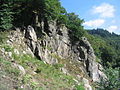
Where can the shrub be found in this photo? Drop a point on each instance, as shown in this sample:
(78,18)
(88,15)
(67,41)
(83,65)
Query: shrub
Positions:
(3,36)
(79,87)
(112,82)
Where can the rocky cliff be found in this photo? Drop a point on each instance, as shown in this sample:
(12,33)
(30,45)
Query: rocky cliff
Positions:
(53,45)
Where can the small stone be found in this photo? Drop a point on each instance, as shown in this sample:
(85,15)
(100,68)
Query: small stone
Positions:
(24,52)
(22,86)
(86,84)
(16,51)
(10,54)
(64,70)
(22,69)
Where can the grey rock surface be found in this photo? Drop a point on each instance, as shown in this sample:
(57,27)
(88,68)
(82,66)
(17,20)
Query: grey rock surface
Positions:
(57,45)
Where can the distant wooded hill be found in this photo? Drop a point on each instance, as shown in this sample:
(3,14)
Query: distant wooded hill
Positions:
(112,50)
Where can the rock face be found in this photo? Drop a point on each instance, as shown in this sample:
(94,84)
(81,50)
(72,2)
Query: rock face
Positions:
(56,44)
(90,60)
(53,46)
(17,40)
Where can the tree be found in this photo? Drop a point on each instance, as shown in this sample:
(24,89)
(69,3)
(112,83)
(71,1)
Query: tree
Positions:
(39,11)
(106,46)
(6,15)
(74,23)
(62,17)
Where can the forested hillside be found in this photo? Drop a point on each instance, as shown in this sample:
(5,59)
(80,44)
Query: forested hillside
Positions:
(43,47)
(111,51)
(107,49)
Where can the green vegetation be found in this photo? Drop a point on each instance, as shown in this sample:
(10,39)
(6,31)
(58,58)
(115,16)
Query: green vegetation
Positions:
(106,46)
(74,23)
(15,13)
(46,75)
(48,70)
(6,15)
(9,75)
(112,82)
(7,48)
(7,65)
(3,36)
(80,87)
(71,65)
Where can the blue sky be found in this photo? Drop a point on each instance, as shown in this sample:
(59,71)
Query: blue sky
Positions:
(96,13)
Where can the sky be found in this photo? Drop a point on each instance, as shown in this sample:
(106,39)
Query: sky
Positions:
(96,13)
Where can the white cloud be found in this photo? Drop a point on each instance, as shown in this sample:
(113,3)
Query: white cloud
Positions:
(112,28)
(94,23)
(105,10)
(113,21)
